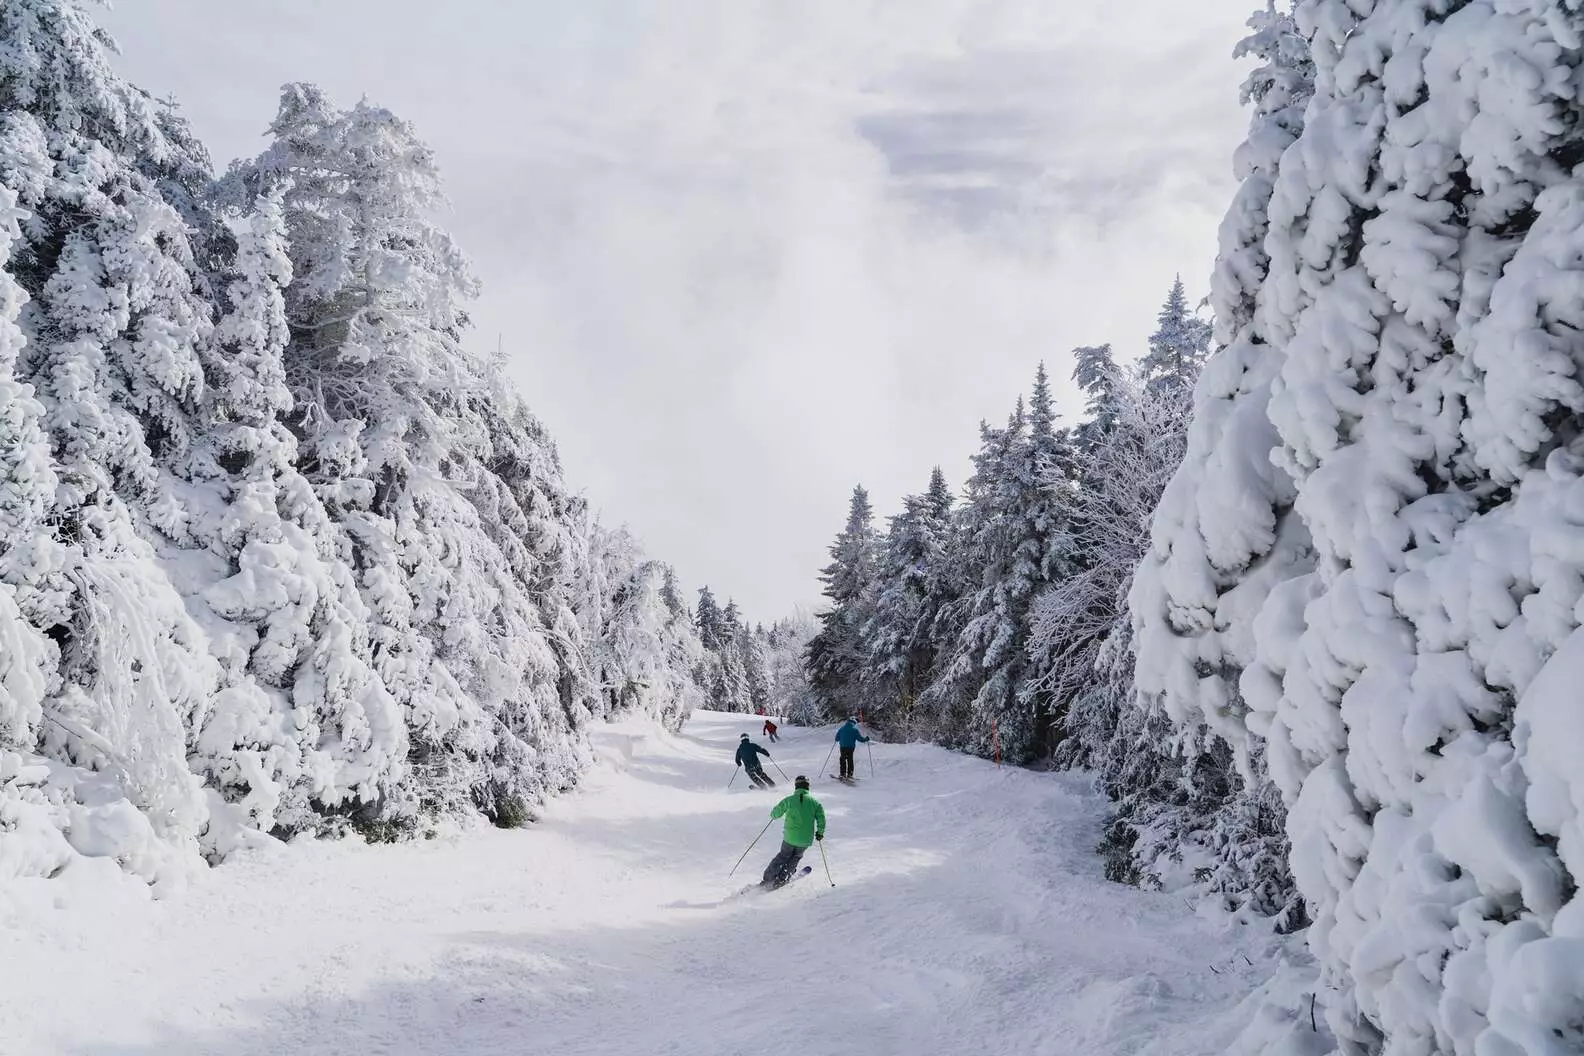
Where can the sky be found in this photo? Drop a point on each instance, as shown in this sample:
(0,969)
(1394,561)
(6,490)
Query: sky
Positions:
(744,254)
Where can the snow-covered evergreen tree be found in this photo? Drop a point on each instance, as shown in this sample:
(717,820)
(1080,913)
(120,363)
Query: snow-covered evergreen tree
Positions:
(1096,373)
(28,660)
(1217,548)
(836,654)
(533,665)
(734,689)
(644,652)
(785,647)
(298,720)
(711,622)
(1177,810)
(1178,347)
(115,328)
(1397,398)
(1015,544)
(910,592)
(467,551)
(27,482)
(750,645)
(1135,446)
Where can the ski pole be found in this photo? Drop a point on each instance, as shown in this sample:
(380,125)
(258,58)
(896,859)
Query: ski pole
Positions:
(826,861)
(751,845)
(871,759)
(778,767)
(734,776)
(827,759)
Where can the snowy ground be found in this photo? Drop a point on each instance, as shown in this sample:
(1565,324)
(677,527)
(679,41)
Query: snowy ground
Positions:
(969,916)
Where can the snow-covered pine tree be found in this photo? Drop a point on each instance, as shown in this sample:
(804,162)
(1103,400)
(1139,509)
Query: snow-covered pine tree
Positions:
(1096,373)
(115,328)
(642,655)
(1178,346)
(429,464)
(1224,533)
(1416,685)
(733,690)
(899,649)
(711,633)
(785,646)
(1015,545)
(1128,455)
(27,483)
(683,649)
(28,660)
(750,646)
(711,623)
(198,515)
(1169,806)
(539,683)
(835,654)
(299,718)
(1125,452)
(945,704)
(671,594)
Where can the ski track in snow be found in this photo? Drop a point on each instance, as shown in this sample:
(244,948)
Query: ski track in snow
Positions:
(970,915)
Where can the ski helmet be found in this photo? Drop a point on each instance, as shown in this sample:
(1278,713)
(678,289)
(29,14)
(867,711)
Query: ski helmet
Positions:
(800,782)
(745,736)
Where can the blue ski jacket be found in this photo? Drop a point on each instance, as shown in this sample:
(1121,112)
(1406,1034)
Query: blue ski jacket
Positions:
(848,735)
(748,754)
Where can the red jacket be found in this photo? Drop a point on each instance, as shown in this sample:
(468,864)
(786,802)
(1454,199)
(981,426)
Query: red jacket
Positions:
(770,727)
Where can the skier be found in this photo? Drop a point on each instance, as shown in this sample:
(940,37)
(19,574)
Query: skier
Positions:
(848,737)
(770,731)
(805,823)
(748,754)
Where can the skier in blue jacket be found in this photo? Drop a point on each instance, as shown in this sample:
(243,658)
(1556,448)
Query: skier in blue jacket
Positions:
(848,737)
(748,754)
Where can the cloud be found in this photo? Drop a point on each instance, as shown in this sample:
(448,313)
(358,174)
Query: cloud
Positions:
(744,254)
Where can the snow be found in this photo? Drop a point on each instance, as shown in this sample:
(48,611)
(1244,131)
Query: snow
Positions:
(969,915)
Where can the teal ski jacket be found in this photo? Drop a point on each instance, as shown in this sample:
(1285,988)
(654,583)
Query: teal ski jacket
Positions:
(848,735)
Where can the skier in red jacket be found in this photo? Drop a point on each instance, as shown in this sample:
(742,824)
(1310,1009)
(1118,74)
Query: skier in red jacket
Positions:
(770,731)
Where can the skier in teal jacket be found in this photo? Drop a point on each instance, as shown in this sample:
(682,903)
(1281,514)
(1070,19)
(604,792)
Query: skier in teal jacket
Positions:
(805,823)
(848,737)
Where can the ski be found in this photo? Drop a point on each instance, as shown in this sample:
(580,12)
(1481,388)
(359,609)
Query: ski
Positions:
(804,871)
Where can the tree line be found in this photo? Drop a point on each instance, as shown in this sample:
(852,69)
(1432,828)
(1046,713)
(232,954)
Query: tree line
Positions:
(278,554)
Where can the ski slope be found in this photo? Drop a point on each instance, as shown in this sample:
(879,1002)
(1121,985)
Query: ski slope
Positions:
(969,915)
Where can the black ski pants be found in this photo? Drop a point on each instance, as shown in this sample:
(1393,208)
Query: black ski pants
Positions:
(757,775)
(847,761)
(783,865)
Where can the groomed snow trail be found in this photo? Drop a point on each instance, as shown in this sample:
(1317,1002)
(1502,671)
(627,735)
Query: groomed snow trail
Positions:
(970,916)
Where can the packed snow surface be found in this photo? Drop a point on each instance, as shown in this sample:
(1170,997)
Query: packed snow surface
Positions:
(969,914)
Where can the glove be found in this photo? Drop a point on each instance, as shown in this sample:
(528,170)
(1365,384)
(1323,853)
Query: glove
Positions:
(819,835)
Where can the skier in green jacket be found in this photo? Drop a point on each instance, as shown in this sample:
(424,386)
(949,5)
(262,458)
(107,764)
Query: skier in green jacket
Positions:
(805,823)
